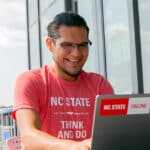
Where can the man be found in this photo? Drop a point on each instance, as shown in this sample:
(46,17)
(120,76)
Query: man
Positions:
(54,104)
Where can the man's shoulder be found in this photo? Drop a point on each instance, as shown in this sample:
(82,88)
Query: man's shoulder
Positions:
(98,81)
(94,77)
(34,73)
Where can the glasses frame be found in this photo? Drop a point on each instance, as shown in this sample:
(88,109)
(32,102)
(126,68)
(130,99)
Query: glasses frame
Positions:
(69,46)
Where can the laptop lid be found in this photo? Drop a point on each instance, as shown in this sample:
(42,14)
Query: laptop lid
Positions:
(121,122)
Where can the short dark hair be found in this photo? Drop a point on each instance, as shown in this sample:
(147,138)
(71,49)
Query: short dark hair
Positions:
(68,19)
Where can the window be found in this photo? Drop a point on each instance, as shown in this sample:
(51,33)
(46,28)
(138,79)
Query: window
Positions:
(144,14)
(47,11)
(118,60)
(33,34)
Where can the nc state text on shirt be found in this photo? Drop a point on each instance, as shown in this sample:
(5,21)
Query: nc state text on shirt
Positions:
(70,101)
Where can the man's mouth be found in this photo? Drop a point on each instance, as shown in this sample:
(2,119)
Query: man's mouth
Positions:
(73,61)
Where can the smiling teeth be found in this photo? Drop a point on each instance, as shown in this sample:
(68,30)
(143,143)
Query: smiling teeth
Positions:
(74,60)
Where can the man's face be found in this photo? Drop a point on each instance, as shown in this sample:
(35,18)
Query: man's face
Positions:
(70,51)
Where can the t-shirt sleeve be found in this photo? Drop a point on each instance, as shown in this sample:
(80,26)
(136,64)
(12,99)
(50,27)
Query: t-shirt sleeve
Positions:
(26,92)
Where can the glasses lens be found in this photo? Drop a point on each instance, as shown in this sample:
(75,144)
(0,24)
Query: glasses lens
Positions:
(66,45)
(69,46)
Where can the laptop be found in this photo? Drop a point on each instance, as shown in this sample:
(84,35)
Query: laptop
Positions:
(121,122)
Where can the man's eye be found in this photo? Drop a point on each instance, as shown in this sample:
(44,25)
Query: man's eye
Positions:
(66,44)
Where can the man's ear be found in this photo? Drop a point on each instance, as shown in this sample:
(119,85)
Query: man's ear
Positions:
(49,43)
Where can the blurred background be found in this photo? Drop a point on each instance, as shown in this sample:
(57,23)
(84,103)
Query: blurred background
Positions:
(119,31)
(13,46)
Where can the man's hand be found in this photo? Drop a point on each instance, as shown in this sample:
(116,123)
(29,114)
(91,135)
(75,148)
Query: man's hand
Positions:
(83,145)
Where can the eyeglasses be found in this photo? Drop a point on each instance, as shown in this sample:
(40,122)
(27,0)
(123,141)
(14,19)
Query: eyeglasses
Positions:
(70,46)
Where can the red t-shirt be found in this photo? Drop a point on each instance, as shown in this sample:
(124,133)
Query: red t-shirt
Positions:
(65,108)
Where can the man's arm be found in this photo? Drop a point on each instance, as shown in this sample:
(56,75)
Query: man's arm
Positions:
(33,138)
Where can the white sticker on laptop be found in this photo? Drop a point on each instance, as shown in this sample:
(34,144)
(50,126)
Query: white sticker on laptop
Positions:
(124,106)
(139,105)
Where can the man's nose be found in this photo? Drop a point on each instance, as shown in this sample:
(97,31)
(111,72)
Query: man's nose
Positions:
(76,49)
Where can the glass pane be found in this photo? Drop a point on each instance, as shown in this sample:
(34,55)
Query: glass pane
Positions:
(118,60)
(91,62)
(13,47)
(34,46)
(144,13)
(32,7)
(48,11)
(34,34)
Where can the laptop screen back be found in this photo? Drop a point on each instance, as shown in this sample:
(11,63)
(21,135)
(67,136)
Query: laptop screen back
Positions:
(121,122)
